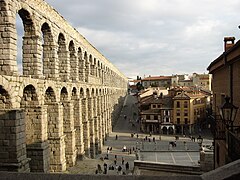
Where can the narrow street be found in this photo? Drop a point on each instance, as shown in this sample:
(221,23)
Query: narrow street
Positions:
(130,111)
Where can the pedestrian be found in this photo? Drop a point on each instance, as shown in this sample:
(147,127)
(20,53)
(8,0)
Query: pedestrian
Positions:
(137,135)
(127,166)
(119,170)
(153,139)
(105,165)
(105,168)
(115,156)
(130,151)
(122,161)
(99,168)
(116,136)
(110,148)
(115,161)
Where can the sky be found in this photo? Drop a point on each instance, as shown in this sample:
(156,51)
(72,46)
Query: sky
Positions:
(154,37)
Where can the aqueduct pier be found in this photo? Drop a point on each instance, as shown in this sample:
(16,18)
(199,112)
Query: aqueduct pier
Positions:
(62,104)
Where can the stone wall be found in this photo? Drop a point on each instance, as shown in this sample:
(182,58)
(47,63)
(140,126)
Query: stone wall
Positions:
(13,155)
(206,161)
(70,94)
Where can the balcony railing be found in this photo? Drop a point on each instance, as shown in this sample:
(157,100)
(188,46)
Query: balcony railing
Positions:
(219,129)
(233,142)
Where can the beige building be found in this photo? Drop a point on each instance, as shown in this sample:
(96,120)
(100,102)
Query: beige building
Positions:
(157,81)
(200,81)
(189,110)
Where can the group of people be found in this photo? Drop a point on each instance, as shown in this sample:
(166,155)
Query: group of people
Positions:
(128,150)
(115,166)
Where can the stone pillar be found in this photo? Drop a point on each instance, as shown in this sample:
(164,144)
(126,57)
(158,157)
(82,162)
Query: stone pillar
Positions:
(91,128)
(8,43)
(103,127)
(87,71)
(32,58)
(79,128)
(74,67)
(69,131)
(99,121)
(13,155)
(56,137)
(36,138)
(64,65)
(81,70)
(50,61)
(96,127)
(86,138)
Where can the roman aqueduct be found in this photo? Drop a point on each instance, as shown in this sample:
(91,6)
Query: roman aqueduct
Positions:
(62,105)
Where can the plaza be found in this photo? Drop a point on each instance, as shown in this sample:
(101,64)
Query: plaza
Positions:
(186,152)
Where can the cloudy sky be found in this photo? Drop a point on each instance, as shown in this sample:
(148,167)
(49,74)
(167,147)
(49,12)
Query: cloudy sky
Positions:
(154,37)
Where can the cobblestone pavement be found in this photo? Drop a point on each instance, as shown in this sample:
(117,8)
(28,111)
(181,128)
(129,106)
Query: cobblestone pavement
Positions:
(124,129)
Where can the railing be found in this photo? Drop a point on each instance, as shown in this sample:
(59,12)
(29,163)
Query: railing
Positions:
(219,129)
(231,134)
(233,142)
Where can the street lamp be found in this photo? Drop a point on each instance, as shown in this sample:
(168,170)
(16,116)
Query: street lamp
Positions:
(228,112)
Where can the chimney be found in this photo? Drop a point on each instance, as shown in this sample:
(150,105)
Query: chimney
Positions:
(228,42)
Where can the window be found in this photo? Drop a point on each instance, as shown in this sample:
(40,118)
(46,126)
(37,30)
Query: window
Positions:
(178,113)
(154,106)
(148,117)
(159,106)
(185,113)
(186,120)
(167,119)
(166,113)
(155,117)
(178,120)
(178,104)
(185,104)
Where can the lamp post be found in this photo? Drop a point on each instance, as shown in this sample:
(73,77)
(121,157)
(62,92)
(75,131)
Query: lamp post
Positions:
(228,112)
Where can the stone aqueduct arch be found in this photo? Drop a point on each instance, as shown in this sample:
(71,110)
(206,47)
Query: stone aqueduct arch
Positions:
(63,105)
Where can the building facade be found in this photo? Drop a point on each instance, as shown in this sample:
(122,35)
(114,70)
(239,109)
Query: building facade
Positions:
(181,111)
(157,81)
(189,112)
(156,115)
(226,82)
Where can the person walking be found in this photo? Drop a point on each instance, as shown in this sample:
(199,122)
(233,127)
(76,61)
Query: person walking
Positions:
(127,166)
(119,170)
(122,161)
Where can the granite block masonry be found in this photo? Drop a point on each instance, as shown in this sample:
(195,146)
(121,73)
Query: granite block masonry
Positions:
(58,103)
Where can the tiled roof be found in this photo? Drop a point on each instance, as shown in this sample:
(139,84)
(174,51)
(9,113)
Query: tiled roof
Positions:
(157,78)
(182,96)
